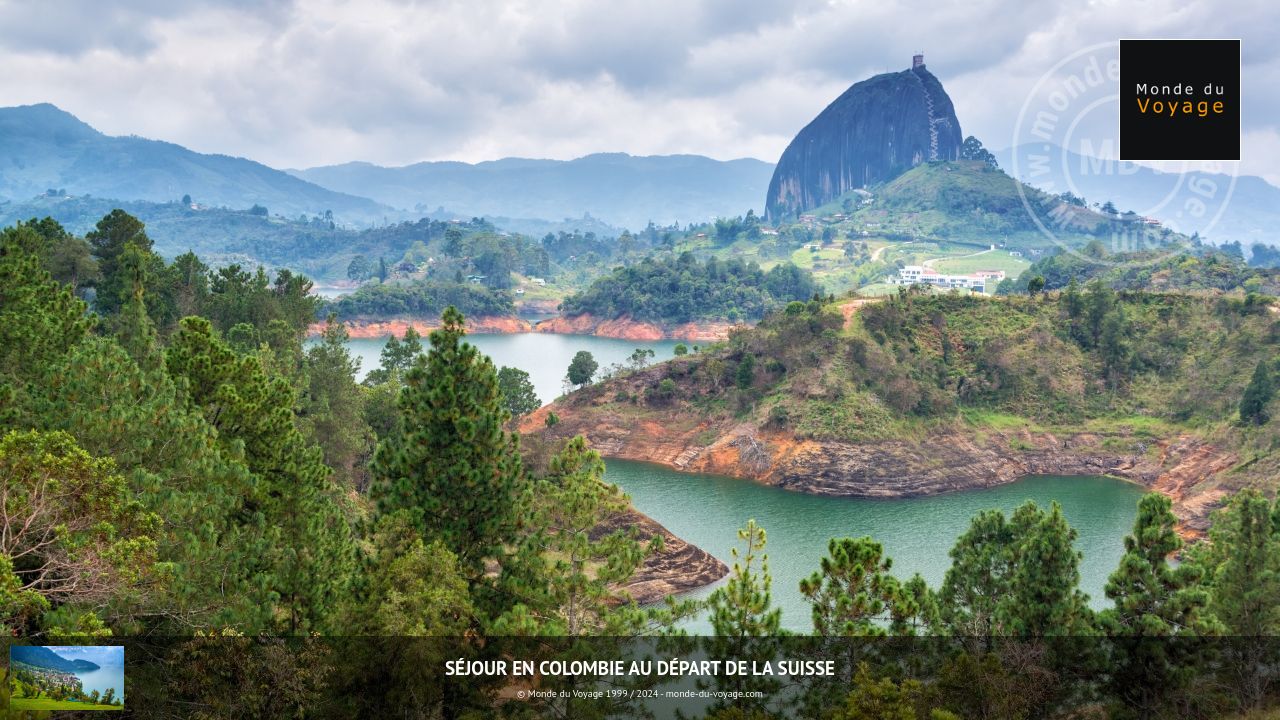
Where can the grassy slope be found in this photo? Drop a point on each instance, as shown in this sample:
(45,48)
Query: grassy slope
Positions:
(26,703)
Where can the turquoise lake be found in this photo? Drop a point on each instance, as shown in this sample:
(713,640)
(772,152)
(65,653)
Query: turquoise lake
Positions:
(708,510)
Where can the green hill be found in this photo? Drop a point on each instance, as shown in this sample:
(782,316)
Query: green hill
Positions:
(974,203)
(921,393)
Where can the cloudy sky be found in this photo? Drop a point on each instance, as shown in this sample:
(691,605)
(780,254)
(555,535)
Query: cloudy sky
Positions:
(298,83)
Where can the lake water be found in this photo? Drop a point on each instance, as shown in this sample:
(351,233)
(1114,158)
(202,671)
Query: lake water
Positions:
(916,532)
(544,356)
(103,678)
(708,510)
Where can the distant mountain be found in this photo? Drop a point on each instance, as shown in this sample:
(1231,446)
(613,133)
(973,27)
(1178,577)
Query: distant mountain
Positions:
(43,147)
(619,189)
(1252,214)
(43,657)
(876,130)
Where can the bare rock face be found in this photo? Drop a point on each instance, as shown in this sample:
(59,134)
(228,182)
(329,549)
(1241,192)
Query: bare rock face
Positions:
(878,129)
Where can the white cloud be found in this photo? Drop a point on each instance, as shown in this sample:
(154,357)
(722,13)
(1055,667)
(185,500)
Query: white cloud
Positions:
(312,82)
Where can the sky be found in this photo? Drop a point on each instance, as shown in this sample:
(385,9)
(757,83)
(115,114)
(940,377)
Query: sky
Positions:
(301,83)
(104,655)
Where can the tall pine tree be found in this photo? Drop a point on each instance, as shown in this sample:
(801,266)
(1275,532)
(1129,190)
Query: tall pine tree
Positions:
(453,469)
(311,566)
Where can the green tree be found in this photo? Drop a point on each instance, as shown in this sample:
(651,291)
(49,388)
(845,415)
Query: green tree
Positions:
(972,149)
(1043,599)
(74,535)
(360,269)
(1241,562)
(452,468)
(582,368)
(409,588)
(174,465)
(1035,285)
(681,350)
(1152,598)
(745,375)
(1014,576)
(133,325)
(66,257)
(1257,395)
(40,320)
(253,413)
(398,355)
(1153,602)
(854,594)
(743,606)
(331,406)
(109,239)
(744,620)
(1098,303)
(518,395)
(640,357)
(583,566)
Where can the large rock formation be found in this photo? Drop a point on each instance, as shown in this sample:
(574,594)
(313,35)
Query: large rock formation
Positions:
(878,129)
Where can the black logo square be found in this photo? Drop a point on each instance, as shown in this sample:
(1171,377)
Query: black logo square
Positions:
(1180,99)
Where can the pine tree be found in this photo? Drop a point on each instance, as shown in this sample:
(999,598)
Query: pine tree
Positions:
(40,321)
(1151,598)
(174,465)
(1043,598)
(133,326)
(1242,566)
(332,409)
(982,564)
(581,567)
(452,468)
(745,623)
(1257,395)
(312,564)
(854,594)
(1153,602)
(743,606)
(109,240)
(1246,575)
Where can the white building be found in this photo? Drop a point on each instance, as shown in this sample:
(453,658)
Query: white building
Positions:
(980,281)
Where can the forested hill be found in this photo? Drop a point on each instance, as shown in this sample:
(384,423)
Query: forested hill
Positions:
(683,289)
(43,657)
(422,299)
(323,249)
(923,393)
(1198,267)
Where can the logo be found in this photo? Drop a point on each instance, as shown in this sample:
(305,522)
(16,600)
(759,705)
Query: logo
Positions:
(1066,144)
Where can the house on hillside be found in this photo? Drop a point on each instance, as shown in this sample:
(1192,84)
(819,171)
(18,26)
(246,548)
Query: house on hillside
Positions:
(978,281)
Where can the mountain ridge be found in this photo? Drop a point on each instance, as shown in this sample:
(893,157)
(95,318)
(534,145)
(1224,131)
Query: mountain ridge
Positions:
(618,188)
(42,657)
(45,147)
